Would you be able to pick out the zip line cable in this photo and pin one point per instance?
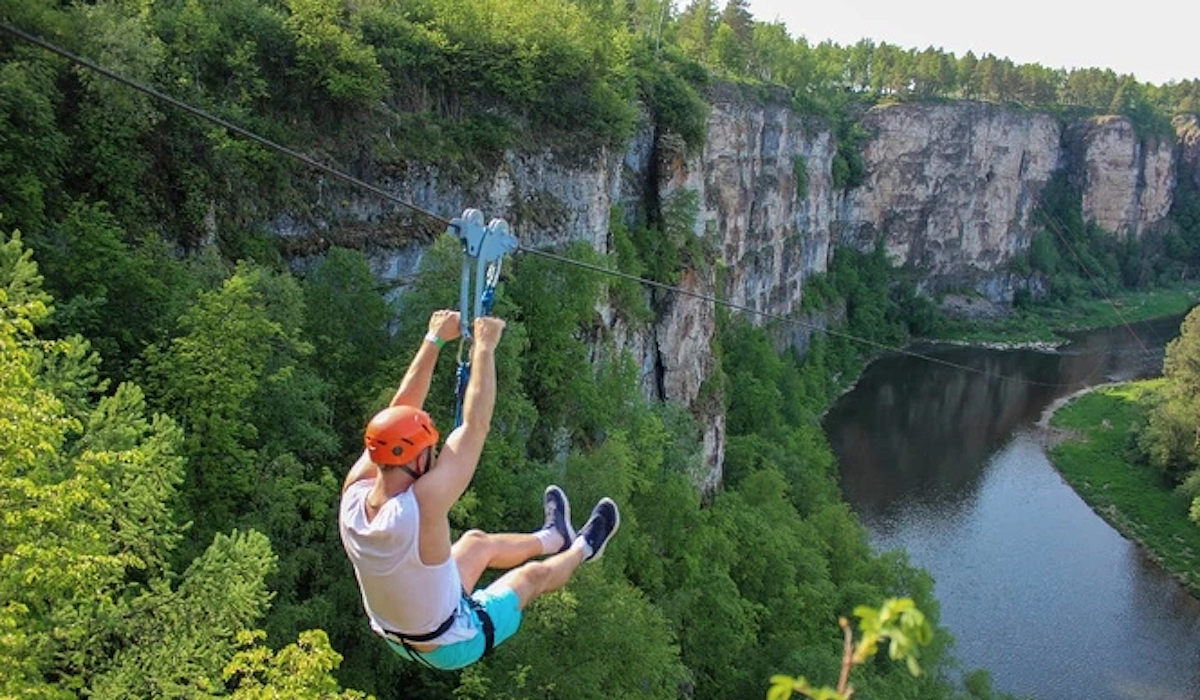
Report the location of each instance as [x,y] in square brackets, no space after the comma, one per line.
[1058,231]
[333,172]
[196,111]
[1053,226]
[791,321]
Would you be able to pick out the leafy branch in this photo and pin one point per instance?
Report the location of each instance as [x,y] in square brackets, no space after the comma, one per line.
[898,622]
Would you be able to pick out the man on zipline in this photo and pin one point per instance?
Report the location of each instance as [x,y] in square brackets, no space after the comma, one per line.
[416,586]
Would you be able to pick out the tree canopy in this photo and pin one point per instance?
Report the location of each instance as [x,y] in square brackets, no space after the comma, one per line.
[180,391]
[93,602]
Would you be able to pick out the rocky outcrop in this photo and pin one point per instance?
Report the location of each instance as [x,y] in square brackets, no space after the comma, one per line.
[766,200]
[950,190]
[1187,130]
[766,196]
[1127,182]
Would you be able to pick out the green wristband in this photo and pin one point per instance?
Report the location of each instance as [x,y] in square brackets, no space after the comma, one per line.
[435,339]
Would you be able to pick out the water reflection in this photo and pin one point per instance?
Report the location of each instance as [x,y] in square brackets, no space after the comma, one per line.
[1033,585]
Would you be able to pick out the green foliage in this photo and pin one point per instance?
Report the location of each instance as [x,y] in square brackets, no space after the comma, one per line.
[117,294]
[330,55]
[627,296]
[671,86]
[1134,497]
[32,149]
[800,173]
[1043,254]
[554,305]
[901,625]
[1181,243]
[91,600]
[729,53]
[665,249]
[301,670]
[51,546]
[1079,259]
[848,169]
[1169,439]
[546,63]
[180,641]
[232,368]
[229,52]
[875,303]
[782,510]
[588,624]
[897,621]
[346,319]
[113,123]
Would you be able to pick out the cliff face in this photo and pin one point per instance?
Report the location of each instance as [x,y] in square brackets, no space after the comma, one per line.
[950,190]
[950,187]
[1126,182]
[766,200]
[772,226]
[1187,129]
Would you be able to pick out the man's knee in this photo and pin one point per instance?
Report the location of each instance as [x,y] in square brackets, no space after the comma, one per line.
[530,580]
[473,538]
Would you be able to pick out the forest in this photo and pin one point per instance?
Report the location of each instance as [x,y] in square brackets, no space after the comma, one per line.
[180,399]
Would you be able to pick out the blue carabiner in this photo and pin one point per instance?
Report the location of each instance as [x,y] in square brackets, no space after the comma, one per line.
[486,246]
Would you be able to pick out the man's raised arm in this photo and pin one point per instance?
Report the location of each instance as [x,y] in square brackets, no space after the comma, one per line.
[443,327]
[456,463]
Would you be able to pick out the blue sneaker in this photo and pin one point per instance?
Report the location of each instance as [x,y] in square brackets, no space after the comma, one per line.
[558,515]
[600,527]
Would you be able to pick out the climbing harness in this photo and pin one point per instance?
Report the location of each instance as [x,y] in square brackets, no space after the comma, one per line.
[485,621]
[484,248]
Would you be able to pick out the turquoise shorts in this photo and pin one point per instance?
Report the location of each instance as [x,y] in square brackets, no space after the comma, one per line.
[502,605]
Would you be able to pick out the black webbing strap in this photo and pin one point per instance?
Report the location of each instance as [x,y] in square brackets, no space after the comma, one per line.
[428,637]
[406,640]
[489,630]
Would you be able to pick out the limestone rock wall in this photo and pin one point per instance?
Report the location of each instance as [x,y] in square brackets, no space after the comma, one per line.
[1126,182]
[950,189]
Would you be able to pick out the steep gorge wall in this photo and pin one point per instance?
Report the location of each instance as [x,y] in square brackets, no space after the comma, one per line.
[950,189]
[1188,130]
[1127,182]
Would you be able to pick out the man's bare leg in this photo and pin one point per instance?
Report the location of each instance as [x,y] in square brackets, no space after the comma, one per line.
[537,577]
[477,551]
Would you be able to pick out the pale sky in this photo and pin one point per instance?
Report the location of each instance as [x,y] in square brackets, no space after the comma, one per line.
[1155,40]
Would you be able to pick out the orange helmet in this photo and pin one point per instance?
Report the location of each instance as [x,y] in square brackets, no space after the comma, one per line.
[397,434]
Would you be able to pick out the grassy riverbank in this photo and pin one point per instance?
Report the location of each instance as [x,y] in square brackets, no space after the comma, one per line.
[1044,324]
[1135,499]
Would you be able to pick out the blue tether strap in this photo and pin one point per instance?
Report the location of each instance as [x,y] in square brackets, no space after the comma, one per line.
[484,248]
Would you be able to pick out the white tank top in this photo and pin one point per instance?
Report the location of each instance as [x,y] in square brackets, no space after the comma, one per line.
[400,593]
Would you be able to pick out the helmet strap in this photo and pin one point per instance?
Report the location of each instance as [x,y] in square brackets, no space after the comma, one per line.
[417,475]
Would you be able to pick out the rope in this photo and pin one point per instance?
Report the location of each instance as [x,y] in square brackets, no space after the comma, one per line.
[208,116]
[1053,226]
[337,174]
[792,321]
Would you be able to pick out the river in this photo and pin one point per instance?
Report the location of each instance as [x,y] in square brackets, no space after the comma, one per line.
[1035,587]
